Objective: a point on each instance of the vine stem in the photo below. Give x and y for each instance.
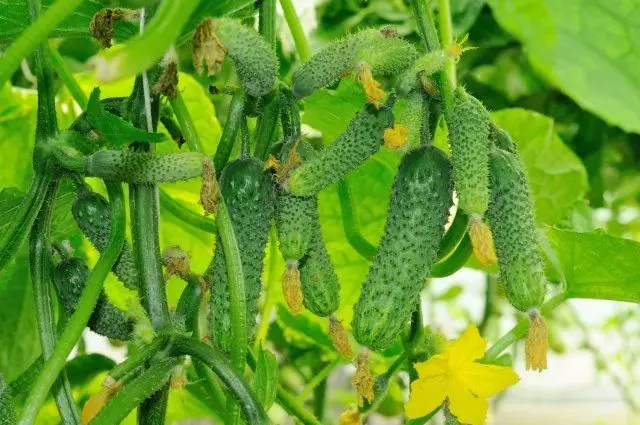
(66, 75)
(318, 378)
(34, 35)
(186, 123)
(78, 321)
(185, 214)
(270, 290)
(293, 22)
(448, 76)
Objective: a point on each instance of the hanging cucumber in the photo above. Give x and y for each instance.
(361, 139)
(248, 193)
(419, 208)
(70, 278)
(92, 214)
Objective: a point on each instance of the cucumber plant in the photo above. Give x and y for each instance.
(249, 124)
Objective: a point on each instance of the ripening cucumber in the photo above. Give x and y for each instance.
(469, 141)
(381, 50)
(425, 66)
(70, 278)
(410, 112)
(93, 216)
(7, 409)
(319, 282)
(512, 222)
(248, 193)
(362, 138)
(419, 208)
(255, 62)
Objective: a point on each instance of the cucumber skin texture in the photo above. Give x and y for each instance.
(7, 409)
(143, 167)
(469, 141)
(419, 208)
(248, 193)
(362, 138)
(319, 282)
(255, 62)
(70, 278)
(512, 223)
(296, 216)
(93, 216)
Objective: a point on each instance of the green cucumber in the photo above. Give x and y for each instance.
(70, 278)
(512, 222)
(419, 208)
(248, 193)
(469, 140)
(93, 216)
(7, 409)
(289, 115)
(361, 139)
(502, 139)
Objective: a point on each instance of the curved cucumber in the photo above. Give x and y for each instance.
(92, 214)
(248, 193)
(361, 139)
(70, 278)
(419, 208)
(513, 225)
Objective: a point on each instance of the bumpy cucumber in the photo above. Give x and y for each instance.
(469, 140)
(320, 285)
(419, 208)
(425, 66)
(70, 278)
(411, 115)
(248, 193)
(502, 139)
(289, 114)
(361, 139)
(255, 62)
(7, 409)
(93, 216)
(512, 222)
(381, 50)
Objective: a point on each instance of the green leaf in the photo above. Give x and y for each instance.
(300, 331)
(114, 129)
(587, 48)
(265, 380)
(597, 265)
(556, 175)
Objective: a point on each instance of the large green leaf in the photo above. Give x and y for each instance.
(589, 49)
(597, 265)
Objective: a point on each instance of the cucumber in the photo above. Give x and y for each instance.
(502, 139)
(419, 208)
(70, 278)
(7, 409)
(289, 115)
(361, 139)
(513, 225)
(248, 193)
(93, 216)
(469, 140)
(411, 114)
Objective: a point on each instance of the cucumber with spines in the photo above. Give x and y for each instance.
(70, 278)
(512, 222)
(248, 193)
(7, 408)
(92, 214)
(362, 138)
(419, 208)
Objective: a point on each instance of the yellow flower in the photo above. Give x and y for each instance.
(455, 375)
(396, 136)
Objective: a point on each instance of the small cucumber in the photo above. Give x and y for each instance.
(93, 216)
(513, 225)
(361, 139)
(7, 409)
(419, 208)
(70, 278)
(248, 193)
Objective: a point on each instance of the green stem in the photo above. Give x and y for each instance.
(269, 291)
(186, 124)
(380, 391)
(86, 304)
(66, 75)
(33, 35)
(232, 378)
(519, 330)
(424, 22)
(293, 22)
(454, 235)
(230, 131)
(138, 358)
(144, 50)
(319, 400)
(489, 296)
(267, 128)
(455, 261)
(448, 76)
(350, 222)
(318, 378)
(185, 214)
(267, 22)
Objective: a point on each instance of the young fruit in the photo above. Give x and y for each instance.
(248, 193)
(70, 278)
(7, 409)
(419, 208)
(93, 216)
(361, 139)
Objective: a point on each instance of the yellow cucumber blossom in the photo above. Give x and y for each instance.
(396, 136)
(371, 86)
(455, 376)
